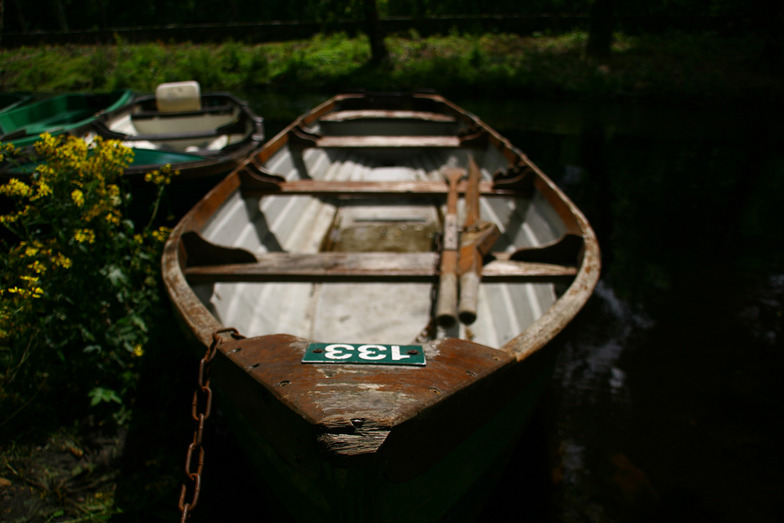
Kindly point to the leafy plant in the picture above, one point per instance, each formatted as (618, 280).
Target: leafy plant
(79, 281)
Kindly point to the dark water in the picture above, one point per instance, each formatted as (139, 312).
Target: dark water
(665, 403)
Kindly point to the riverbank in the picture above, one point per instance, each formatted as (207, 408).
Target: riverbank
(677, 68)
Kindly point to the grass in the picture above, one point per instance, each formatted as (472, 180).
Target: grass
(672, 67)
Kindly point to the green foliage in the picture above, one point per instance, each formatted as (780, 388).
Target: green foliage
(79, 286)
(54, 69)
(677, 66)
(322, 62)
(137, 67)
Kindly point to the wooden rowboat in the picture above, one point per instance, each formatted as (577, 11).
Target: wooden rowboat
(199, 134)
(395, 274)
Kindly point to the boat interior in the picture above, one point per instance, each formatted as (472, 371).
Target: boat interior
(396, 229)
(214, 125)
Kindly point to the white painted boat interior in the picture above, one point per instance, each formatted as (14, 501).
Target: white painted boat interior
(187, 123)
(370, 312)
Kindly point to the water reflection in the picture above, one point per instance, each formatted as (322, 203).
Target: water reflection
(591, 363)
(762, 313)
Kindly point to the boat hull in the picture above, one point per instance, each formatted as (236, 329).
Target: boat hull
(446, 482)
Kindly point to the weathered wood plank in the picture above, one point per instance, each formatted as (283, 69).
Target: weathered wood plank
(359, 114)
(388, 141)
(374, 189)
(353, 408)
(371, 266)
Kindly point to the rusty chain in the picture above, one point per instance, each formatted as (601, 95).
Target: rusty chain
(202, 397)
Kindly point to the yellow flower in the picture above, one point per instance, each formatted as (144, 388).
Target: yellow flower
(94, 211)
(161, 234)
(78, 197)
(161, 176)
(15, 187)
(62, 261)
(33, 292)
(84, 235)
(43, 190)
(45, 172)
(37, 267)
(7, 149)
(113, 218)
(138, 351)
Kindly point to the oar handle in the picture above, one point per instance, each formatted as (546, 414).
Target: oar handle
(446, 306)
(469, 297)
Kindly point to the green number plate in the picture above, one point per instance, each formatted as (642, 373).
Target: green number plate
(369, 354)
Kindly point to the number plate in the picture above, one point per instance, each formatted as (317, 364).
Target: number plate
(369, 354)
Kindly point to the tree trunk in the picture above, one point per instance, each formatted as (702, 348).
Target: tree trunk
(600, 37)
(61, 16)
(378, 49)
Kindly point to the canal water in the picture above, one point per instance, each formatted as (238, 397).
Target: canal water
(664, 405)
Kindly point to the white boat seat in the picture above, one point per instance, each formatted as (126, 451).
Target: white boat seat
(178, 97)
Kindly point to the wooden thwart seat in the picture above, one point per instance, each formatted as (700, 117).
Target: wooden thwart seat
(331, 142)
(364, 114)
(257, 183)
(370, 266)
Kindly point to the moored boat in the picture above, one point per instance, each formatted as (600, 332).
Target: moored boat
(381, 285)
(73, 112)
(199, 134)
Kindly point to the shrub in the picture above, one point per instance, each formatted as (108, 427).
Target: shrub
(79, 282)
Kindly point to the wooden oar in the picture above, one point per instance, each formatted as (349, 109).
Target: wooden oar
(476, 241)
(446, 306)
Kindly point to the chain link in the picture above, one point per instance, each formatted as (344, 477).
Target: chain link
(201, 407)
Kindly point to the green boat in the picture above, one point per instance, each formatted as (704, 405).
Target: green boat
(73, 112)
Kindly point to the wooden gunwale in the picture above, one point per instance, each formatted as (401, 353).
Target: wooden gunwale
(569, 304)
